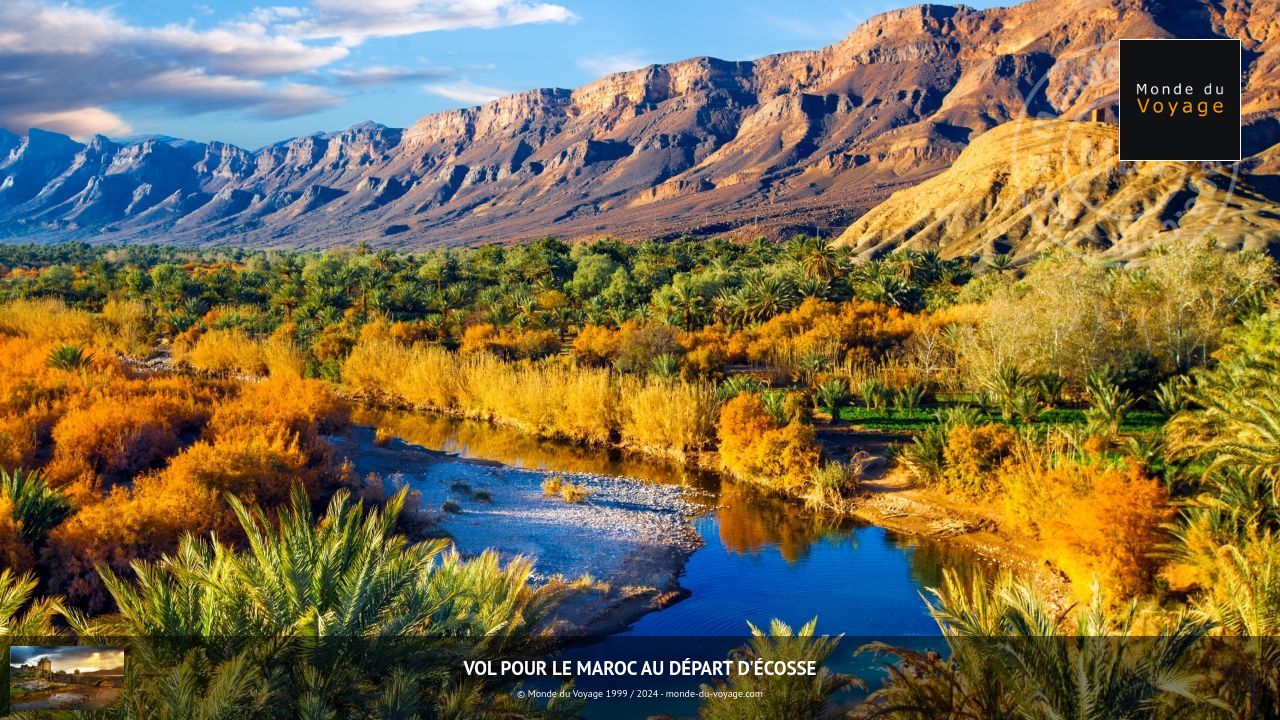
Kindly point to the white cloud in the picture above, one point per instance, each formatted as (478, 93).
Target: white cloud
(80, 123)
(384, 75)
(465, 91)
(609, 63)
(355, 20)
(78, 66)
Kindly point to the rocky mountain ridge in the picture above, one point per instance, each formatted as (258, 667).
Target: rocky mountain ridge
(801, 141)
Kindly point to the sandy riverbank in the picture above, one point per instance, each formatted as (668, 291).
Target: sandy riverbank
(888, 499)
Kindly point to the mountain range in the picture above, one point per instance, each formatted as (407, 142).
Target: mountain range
(805, 141)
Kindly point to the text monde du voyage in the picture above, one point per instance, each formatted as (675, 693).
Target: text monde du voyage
(1180, 99)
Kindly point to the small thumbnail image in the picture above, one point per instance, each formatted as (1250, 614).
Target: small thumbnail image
(64, 677)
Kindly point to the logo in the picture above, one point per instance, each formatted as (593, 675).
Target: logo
(1180, 100)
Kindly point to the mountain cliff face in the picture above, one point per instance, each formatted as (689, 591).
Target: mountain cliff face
(797, 141)
(1030, 185)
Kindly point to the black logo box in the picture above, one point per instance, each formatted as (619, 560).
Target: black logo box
(1185, 63)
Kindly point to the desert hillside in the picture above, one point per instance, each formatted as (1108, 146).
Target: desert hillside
(1029, 185)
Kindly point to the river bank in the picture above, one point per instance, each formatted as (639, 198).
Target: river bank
(886, 497)
(893, 503)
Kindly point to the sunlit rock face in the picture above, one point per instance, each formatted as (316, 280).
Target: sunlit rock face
(803, 141)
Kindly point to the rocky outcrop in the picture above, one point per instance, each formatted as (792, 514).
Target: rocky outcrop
(800, 141)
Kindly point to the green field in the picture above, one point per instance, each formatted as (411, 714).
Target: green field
(894, 420)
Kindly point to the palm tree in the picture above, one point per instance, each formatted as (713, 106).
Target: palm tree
(1108, 402)
(766, 295)
(1006, 388)
(1010, 658)
(1001, 262)
(326, 610)
(1243, 602)
(196, 689)
(20, 616)
(793, 697)
(69, 357)
(681, 301)
(819, 259)
(1236, 420)
(830, 395)
(728, 307)
(36, 506)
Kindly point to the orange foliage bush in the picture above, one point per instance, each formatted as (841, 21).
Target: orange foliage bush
(849, 332)
(595, 346)
(753, 447)
(114, 438)
(255, 466)
(974, 452)
(127, 525)
(707, 351)
(14, 553)
(223, 351)
(304, 409)
(1111, 532)
(640, 343)
(509, 343)
(103, 422)
(20, 436)
(481, 337)
(257, 444)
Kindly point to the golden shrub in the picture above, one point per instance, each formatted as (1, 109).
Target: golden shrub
(544, 398)
(705, 360)
(303, 409)
(509, 343)
(552, 486)
(282, 357)
(224, 351)
(14, 553)
(129, 524)
(1112, 532)
(114, 438)
(640, 343)
(258, 467)
(1035, 493)
(430, 378)
(753, 447)
(533, 344)
(589, 406)
(20, 437)
(706, 351)
(45, 320)
(974, 452)
(595, 345)
(667, 418)
(481, 337)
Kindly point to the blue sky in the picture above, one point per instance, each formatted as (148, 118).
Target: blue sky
(252, 73)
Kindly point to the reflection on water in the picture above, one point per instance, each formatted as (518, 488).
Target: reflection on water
(746, 521)
(470, 439)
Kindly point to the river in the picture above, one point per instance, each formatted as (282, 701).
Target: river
(761, 558)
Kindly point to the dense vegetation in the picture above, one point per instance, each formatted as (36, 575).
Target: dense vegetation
(1118, 422)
